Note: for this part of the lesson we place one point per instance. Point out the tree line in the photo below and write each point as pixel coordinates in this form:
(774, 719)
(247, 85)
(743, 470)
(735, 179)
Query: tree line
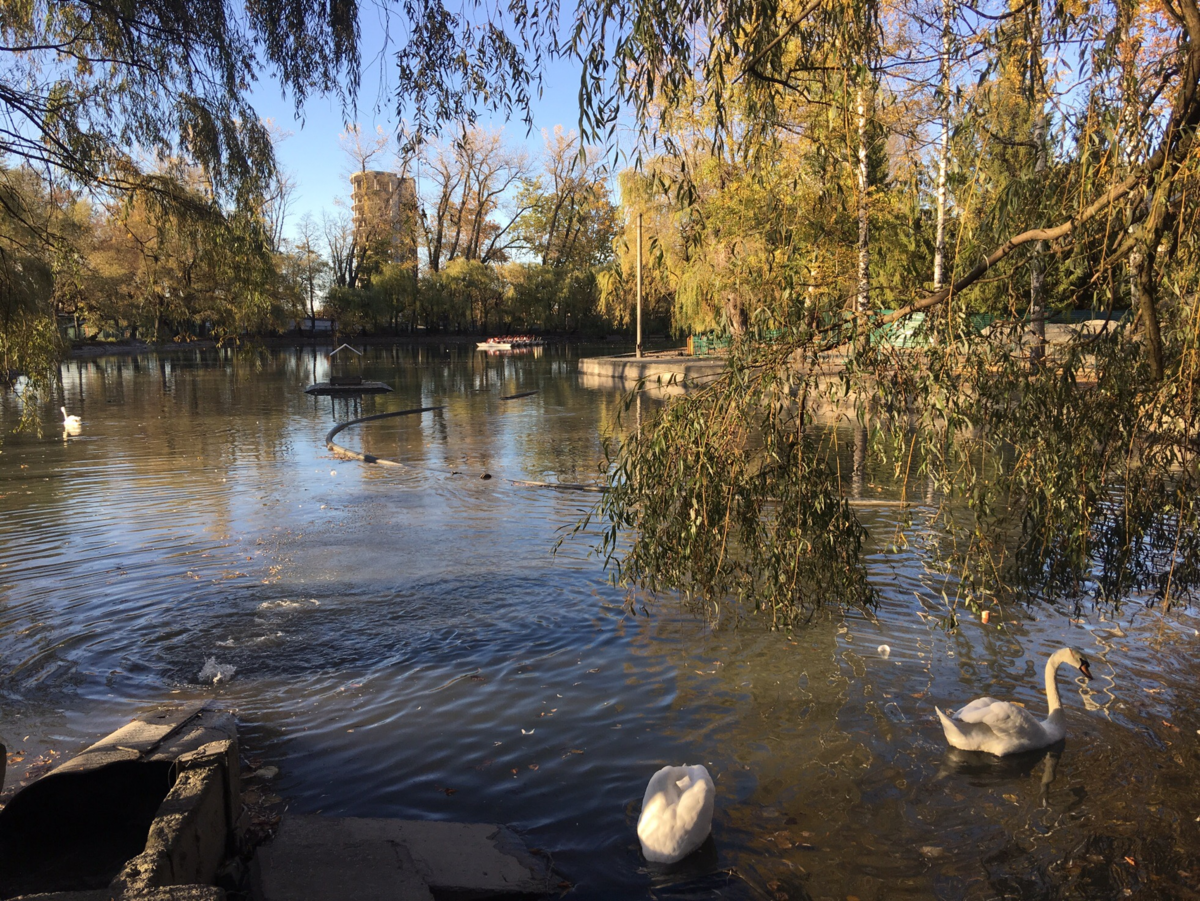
(499, 238)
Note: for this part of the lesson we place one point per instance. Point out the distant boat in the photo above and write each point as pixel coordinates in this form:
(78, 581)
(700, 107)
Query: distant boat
(510, 342)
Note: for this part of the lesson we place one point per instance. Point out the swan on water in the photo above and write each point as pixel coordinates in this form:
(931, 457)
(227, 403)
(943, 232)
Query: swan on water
(1000, 727)
(70, 420)
(677, 812)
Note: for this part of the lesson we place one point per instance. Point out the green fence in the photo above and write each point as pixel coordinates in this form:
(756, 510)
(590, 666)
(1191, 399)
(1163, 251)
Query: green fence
(911, 331)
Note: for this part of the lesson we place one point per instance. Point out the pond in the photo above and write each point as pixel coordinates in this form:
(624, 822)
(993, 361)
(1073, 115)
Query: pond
(405, 644)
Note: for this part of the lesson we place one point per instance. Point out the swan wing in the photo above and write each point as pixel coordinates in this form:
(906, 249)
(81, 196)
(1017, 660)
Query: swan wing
(997, 727)
(695, 808)
(1005, 719)
(976, 710)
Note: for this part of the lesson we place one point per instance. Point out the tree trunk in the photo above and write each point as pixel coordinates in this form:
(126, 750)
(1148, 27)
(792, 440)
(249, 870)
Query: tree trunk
(1037, 276)
(939, 244)
(863, 298)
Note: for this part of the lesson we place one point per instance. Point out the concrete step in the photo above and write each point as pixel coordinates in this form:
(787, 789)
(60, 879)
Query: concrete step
(315, 858)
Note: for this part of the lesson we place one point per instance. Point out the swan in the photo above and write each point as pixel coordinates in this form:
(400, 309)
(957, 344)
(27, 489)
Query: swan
(677, 812)
(999, 727)
(70, 420)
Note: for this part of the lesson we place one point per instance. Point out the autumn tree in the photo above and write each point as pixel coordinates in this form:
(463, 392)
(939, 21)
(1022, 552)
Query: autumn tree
(569, 219)
(465, 215)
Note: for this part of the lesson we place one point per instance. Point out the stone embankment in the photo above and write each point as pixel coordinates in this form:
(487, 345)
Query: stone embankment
(155, 812)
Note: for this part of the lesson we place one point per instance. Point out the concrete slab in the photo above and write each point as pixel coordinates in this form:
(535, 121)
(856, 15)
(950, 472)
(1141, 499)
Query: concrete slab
(178, 893)
(344, 856)
(317, 858)
(473, 860)
(668, 372)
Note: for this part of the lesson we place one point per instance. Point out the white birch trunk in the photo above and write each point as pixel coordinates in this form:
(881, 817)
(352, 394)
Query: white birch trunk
(1037, 277)
(864, 246)
(939, 246)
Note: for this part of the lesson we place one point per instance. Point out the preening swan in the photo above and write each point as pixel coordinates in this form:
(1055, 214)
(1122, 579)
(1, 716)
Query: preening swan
(1000, 728)
(677, 812)
(70, 420)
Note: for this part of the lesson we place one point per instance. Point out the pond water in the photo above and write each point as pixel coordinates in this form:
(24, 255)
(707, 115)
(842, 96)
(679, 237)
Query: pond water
(406, 645)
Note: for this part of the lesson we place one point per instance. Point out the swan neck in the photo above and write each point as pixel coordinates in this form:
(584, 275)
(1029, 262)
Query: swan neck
(1052, 665)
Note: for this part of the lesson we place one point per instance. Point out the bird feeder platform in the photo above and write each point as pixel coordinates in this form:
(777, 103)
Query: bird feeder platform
(344, 384)
(346, 387)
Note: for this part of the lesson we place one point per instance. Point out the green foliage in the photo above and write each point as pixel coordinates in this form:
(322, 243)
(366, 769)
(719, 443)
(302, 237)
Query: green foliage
(1072, 475)
(85, 83)
(569, 220)
(550, 299)
(727, 497)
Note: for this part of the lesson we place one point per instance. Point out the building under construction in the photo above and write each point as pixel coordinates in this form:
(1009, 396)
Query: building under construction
(385, 213)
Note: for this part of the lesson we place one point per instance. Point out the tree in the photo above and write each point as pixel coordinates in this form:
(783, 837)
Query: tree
(569, 220)
(95, 94)
(28, 332)
(307, 267)
(470, 177)
(767, 521)
(86, 82)
(474, 287)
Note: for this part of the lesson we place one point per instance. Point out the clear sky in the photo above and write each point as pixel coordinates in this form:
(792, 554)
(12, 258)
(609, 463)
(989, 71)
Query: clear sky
(313, 153)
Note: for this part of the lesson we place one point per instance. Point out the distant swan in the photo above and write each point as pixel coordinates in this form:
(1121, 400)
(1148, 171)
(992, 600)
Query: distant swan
(677, 812)
(999, 727)
(70, 420)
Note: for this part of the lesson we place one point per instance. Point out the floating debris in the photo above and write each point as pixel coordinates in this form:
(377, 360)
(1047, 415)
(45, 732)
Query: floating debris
(216, 673)
(884, 651)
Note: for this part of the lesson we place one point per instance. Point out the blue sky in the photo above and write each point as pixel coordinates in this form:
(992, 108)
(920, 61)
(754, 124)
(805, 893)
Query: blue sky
(313, 152)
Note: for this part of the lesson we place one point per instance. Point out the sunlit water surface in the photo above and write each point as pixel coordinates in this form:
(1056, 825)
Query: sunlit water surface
(406, 645)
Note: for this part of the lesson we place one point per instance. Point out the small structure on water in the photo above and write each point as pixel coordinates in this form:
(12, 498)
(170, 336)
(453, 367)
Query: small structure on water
(343, 383)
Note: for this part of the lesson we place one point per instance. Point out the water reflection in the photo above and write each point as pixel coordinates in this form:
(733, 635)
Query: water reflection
(985, 769)
(399, 633)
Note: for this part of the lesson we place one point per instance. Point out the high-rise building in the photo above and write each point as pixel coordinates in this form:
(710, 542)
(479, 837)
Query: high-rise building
(385, 211)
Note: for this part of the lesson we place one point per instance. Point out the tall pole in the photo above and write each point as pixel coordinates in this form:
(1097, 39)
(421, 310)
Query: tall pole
(639, 287)
(863, 301)
(939, 244)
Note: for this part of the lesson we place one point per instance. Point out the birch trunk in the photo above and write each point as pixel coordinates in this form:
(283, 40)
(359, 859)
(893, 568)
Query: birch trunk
(863, 300)
(939, 246)
(1037, 275)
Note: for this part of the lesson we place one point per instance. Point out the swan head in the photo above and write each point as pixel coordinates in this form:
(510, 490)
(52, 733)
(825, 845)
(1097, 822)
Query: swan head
(1080, 662)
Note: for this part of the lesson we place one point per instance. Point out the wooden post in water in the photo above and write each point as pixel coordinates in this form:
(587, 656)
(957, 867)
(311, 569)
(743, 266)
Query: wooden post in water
(639, 287)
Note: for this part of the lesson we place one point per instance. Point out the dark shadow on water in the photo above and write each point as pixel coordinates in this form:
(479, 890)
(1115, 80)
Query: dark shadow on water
(700, 875)
(982, 769)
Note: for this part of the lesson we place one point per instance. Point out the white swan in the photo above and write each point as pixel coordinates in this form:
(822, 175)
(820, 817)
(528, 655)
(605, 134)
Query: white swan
(1000, 728)
(677, 812)
(70, 420)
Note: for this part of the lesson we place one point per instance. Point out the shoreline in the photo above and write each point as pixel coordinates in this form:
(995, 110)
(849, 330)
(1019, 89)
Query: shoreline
(90, 351)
